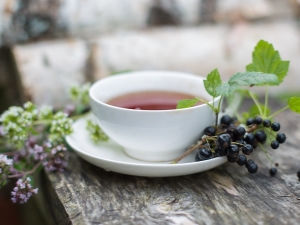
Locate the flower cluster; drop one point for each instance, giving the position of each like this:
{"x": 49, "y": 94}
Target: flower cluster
{"x": 23, "y": 191}
{"x": 15, "y": 122}
{"x": 5, "y": 164}
{"x": 45, "y": 113}
{"x": 96, "y": 133}
{"x": 61, "y": 126}
{"x": 38, "y": 153}
{"x": 80, "y": 94}
{"x": 34, "y": 138}
{"x": 57, "y": 159}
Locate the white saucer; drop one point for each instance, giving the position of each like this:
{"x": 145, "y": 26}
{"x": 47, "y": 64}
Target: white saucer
{"x": 111, "y": 157}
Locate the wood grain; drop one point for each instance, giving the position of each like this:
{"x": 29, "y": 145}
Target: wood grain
{"x": 228, "y": 194}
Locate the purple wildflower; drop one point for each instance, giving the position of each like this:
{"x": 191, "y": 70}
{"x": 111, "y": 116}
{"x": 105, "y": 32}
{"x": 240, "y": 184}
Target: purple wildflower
{"x": 38, "y": 153}
{"x": 57, "y": 159}
{"x": 23, "y": 191}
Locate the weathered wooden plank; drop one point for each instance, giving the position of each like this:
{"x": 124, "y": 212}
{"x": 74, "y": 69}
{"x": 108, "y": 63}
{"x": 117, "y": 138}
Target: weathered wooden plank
{"x": 225, "y": 195}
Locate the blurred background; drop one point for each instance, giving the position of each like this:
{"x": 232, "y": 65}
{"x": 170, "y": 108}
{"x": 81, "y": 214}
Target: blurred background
{"x": 48, "y": 45}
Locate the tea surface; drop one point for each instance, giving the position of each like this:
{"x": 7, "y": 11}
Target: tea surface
{"x": 149, "y": 100}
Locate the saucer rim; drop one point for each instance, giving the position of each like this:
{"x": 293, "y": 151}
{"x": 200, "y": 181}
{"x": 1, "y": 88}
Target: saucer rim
{"x": 155, "y": 165}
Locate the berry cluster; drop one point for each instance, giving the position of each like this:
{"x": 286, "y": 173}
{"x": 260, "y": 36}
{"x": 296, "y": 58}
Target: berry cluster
{"x": 237, "y": 142}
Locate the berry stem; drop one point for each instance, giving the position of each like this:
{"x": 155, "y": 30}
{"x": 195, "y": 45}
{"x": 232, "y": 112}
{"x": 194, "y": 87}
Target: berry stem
{"x": 266, "y": 101}
{"x": 190, "y": 150}
{"x": 279, "y": 111}
{"x": 256, "y": 103}
{"x": 266, "y": 153}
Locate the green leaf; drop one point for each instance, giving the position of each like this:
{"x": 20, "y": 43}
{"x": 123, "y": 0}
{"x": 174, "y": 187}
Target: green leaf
{"x": 294, "y": 104}
{"x": 212, "y": 82}
{"x": 225, "y": 89}
{"x": 267, "y": 60}
{"x": 246, "y": 79}
{"x": 253, "y": 78}
{"x": 186, "y": 103}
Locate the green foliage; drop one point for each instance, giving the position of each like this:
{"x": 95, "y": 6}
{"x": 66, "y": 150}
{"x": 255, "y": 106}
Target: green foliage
{"x": 96, "y": 132}
{"x": 267, "y": 60}
{"x": 16, "y": 122}
{"x": 212, "y": 82}
{"x": 80, "y": 94}
{"x": 246, "y": 79}
{"x": 186, "y": 103}
{"x": 294, "y": 104}
{"x": 61, "y": 126}
{"x": 45, "y": 113}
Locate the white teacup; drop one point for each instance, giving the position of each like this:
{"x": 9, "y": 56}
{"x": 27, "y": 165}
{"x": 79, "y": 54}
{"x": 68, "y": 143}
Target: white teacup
{"x": 152, "y": 135}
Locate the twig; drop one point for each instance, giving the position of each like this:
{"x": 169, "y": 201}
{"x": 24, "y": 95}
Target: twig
{"x": 252, "y": 128}
{"x": 189, "y": 151}
{"x": 26, "y": 173}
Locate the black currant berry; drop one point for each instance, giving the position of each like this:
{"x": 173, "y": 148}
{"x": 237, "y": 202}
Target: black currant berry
{"x": 258, "y": 120}
{"x": 210, "y": 131}
{"x": 241, "y": 160}
{"x": 249, "y": 121}
{"x": 267, "y": 123}
{"x": 203, "y": 154}
{"x": 252, "y": 168}
{"x": 273, "y": 171}
{"x": 298, "y": 174}
{"x": 280, "y": 137}
{"x": 241, "y": 131}
{"x": 227, "y": 120}
{"x": 247, "y": 149}
{"x": 275, "y": 126}
{"x": 232, "y": 159}
{"x": 249, "y": 162}
{"x": 233, "y": 151}
{"x": 250, "y": 138}
{"x": 274, "y": 144}
{"x": 221, "y": 151}
{"x": 261, "y": 136}
{"x": 224, "y": 140}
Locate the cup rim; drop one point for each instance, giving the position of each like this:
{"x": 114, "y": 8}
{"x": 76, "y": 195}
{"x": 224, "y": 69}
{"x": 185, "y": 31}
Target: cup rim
{"x": 92, "y": 97}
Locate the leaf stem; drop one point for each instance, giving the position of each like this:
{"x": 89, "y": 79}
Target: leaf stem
{"x": 256, "y": 102}
{"x": 266, "y": 101}
{"x": 217, "y": 111}
{"x": 201, "y": 100}
{"x": 279, "y": 111}
{"x": 213, "y": 108}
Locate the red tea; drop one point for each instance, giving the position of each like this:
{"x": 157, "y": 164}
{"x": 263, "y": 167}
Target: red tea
{"x": 149, "y": 100}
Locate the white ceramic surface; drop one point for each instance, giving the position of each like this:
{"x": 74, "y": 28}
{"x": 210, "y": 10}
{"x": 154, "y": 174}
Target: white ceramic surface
{"x": 151, "y": 135}
{"x": 111, "y": 157}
